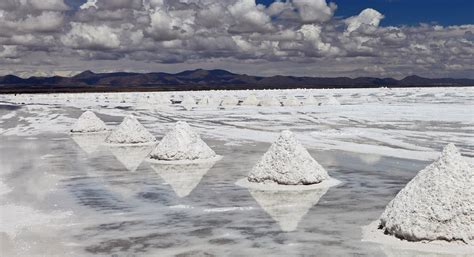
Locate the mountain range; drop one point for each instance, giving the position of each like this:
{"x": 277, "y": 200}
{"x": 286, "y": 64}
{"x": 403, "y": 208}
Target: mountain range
{"x": 204, "y": 80}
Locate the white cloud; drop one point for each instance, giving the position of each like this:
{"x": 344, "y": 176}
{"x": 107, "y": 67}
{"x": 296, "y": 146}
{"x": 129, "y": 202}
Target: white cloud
{"x": 249, "y": 17}
{"x": 170, "y": 25}
{"x": 368, "y": 17}
{"x": 48, "y": 5}
{"x": 84, "y": 36}
{"x": 314, "y": 10}
{"x": 89, "y": 4}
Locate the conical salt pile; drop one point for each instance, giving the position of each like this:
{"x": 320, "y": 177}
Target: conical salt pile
{"x": 331, "y": 101}
{"x": 88, "y": 123}
{"x": 287, "y": 162}
{"x": 188, "y": 100}
{"x": 437, "y": 204}
{"x": 251, "y": 100}
{"x": 130, "y": 131}
{"x": 205, "y": 101}
{"x": 310, "y": 101}
{"x": 291, "y": 101}
{"x": 182, "y": 144}
{"x": 269, "y": 101}
{"x": 229, "y": 101}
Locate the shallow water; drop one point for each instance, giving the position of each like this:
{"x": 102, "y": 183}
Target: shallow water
{"x": 93, "y": 205}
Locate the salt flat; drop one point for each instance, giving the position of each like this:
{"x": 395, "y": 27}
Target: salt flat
{"x": 61, "y": 195}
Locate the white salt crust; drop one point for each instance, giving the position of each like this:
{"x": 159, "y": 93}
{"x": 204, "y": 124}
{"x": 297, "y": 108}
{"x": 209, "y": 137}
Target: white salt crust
{"x": 287, "y": 162}
{"x": 437, "y": 204}
{"x": 251, "y": 100}
{"x": 88, "y": 122}
{"x": 330, "y": 182}
{"x": 182, "y": 144}
{"x": 372, "y": 233}
{"x": 130, "y": 131}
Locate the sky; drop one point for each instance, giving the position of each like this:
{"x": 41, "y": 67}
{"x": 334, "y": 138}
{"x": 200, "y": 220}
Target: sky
{"x": 381, "y": 38}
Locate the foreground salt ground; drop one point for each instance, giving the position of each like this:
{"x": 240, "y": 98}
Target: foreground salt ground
{"x": 88, "y": 200}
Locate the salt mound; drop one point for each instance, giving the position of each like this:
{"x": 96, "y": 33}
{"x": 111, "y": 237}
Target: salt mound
{"x": 88, "y": 123}
{"x": 310, "y": 101}
{"x": 269, "y": 101}
{"x": 188, "y": 101}
{"x": 287, "y": 162}
{"x": 229, "y": 101}
{"x": 291, "y": 101}
{"x": 287, "y": 207}
{"x": 331, "y": 101}
{"x": 437, "y": 204}
{"x": 182, "y": 144}
{"x": 205, "y": 101}
{"x": 130, "y": 131}
{"x": 251, "y": 100}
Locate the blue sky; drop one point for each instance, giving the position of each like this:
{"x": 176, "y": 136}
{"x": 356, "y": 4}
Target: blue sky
{"x": 409, "y": 12}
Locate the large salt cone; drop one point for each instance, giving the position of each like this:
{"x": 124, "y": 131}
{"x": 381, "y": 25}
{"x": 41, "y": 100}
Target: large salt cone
{"x": 437, "y": 204}
{"x": 89, "y": 143}
{"x": 251, "y": 100}
{"x": 229, "y": 101}
{"x": 182, "y": 144}
{"x": 287, "y": 162}
{"x": 287, "y": 207}
{"x": 269, "y": 101}
{"x": 131, "y": 156}
{"x": 130, "y": 131}
{"x": 291, "y": 101}
{"x": 183, "y": 178}
{"x": 88, "y": 123}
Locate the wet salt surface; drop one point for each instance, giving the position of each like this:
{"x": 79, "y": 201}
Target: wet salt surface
{"x": 64, "y": 196}
{"x": 95, "y": 206}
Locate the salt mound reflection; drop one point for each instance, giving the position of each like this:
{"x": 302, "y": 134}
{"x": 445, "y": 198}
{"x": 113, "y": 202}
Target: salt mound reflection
{"x": 89, "y": 143}
{"x": 287, "y": 207}
{"x": 131, "y": 156}
{"x": 183, "y": 178}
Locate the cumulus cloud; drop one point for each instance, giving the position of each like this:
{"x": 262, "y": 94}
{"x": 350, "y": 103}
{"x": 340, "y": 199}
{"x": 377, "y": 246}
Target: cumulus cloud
{"x": 314, "y": 10}
{"x": 367, "y": 18}
{"x": 249, "y": 17}
{"x": 84, "y": 36}
{"x": 286, "y": 37}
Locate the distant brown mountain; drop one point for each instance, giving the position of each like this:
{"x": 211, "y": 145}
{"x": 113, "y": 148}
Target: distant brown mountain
{"x": 204, "y": 79}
